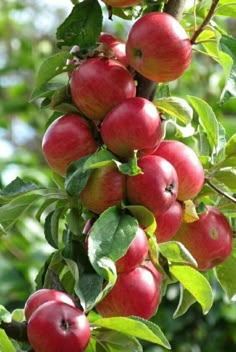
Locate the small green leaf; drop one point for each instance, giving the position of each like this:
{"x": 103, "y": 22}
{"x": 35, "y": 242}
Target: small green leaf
{"x": 114, "y": 341}
{"x": 130, "y": 168}
{"x": 195, "y": 283}
{"x": 5, "y": 343}
{"x": 230, "y": 147}
{"x": 228, "y": 46}
{"x": 135, "y": 327}
{"x": 175, "y": 107}
{"x": 226, "y": 8}
{"x": 51, "y": 227}
{"x": 186, "y": 300}
{"x": 77, "y": 177}
{"x": 17, "y": 187}
{"x": 145, "y": 217}
{"x": 82, "y": 27}
{"x": 227, "y": 177}
{"x": 5, "y": 315}
{"x": 176, "y": 253}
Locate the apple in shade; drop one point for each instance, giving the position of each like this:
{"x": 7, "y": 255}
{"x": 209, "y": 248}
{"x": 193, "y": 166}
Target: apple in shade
{"x": 98, "y": 84}
{"x": 156, "y": 188}
{"x": 187, "y": 165}
{"x": 67, "y": 139}
{"x": 105, "y": 188}
{"x": 116, "y": 44}
{"x": 121, "y": 3}
{"x": 57, "y": 326}
{"x": 158, "y": 47}
{"x": 208, "y": 239}
{"x": 133, "y": 124}
{"x": 134, "y": 293}
{"x": 169, "y": 222}
{"x": 44, "y": 295}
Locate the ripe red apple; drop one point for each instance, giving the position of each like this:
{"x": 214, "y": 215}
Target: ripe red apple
{"x": 135, "y": 293}
{"x": 67, "y": 139}
{"x": 98, "y": 84}
{"x": 121, "y": 3}
{"x": 158, "y": 47}
{"x": 116, "y": 44}
{"x": 208, "y": 239}
{"x": 169, "y": 222}
{"x": 156, "y": 188}
{"x": 134, "y": 124}
{"x": 57, "y": 326}
{"x": 187, "y": 165}
{"x": 105, "y": 188}
{"x": 44, "y": 295}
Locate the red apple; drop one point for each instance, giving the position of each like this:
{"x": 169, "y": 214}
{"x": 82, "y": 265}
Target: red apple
{"x": 116, "y": 44}
{"x": 122, "y": 3}
{"x": 44, "y": 295}
{"x": 208, "y": 239}
{"x": 134, "y": 124}
{"x": 67, "y": 139}
{"x": 158, "y": 47}
{"x": 135, "y": 293}
{"x": 98, "y": 84}
{"x": 169, "y": 222}
{"x": 57, "y": 326}
{"x": 156, "y": 188}
{"x": 105, "y": 188}
{"x": 187, "y": 165}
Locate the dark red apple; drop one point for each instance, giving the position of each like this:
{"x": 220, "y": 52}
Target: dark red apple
{"x": 44, "y": 295}
{"x": 134, "y": 124}
{"x": 208, "y": 239}
{"x": 99, "y": 84}
{"x": 187, "y": 165}
{"x": 135, "y": 293}
{"x": 156, "y": 188}
{"x": 169, "y": 222}
{"x": 57, "y": 326}
{"x": 158, "y": 47}
{"x": 122, "y": 3}
{"x": 105, "y": 188}
{"x": 67, "y": 139}
{"x": 116, "y": 44}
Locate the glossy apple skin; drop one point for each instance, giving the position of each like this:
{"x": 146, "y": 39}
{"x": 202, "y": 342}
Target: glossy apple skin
{"x": 44, "y": 295}
{"x": 122, "y": 3}
{"x": 187, "y": 165}
{"x": 105, "y": 188}
{"x": 136, "y": 253}
{"x": 169, "y": 222}
{"x": 67, "y": 139}
{"x": 57, "y": 326}
{"x": 135, "y": 293}
{"x": 156, "y": 188}
{"x": 98, "y": 84}
{"x": 134, "y": 124}
{"x": 116, "y": 44}
{"x": 158, "y": 47}
{"x": 208, "y": 239}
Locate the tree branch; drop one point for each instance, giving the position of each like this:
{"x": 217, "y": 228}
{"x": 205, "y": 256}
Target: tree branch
{"x": 15, "y": 330}
{"x": 219, "y": 191}
{"x": 206, "y": 20}
{"x": 145, "y": 87}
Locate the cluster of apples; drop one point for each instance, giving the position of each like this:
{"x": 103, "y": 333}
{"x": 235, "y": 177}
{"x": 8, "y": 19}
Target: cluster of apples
{"x": 55, "y": 323}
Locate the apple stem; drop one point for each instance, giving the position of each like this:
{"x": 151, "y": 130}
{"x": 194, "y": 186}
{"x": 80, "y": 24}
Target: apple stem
{"x": 219, "y": 191}
{"x": 204, "y": 23}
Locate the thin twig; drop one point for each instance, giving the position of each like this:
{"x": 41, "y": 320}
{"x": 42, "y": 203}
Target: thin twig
{"x": 219, "y": 191}
{"x": 206, "y": 20}
{"x": 15, "y": 330}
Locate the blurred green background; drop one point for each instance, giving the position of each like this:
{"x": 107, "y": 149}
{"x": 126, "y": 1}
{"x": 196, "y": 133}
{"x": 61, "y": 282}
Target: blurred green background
{"x": 27, "y": 36}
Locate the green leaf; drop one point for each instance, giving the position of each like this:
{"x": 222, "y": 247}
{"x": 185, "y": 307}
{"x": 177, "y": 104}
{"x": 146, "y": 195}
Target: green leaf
{"x": 110, "y": 236}
{"x": 135, "y": 327}
{"x": 51, "y": 227}
{"x": 226, "y": 8}
{"x": 195, "y": 283}
{"x": 186, "y": 300}
{"x": 17, "y": 187}
{"x": 5, "y": 315}
{"x": 47, "y": 90}
{"x": 51, "y": 67}
{"x": 5, "y": 343}
{"x": 144, "y": 216}
{"x": 82, "y": 27}
{"x": 114, "y": 341}
{"x": 208, "y": 122}
{"x": 176, "y": 253}
{"x": 230, "y": 147}
{"x": 77, "y": 177}
{"x": 228, "y": 45}
{"x": 175, "y": 107}
{"x": 225, "y": 274}
{"x": 227, "y": 177}
{"x": 130, "y": 168}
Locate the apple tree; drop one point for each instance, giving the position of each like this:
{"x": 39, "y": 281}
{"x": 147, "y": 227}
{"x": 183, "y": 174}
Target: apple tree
{"x": 144, "y": 181}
